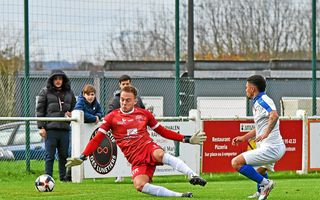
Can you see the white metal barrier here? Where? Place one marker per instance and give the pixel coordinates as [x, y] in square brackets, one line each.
[53, 119]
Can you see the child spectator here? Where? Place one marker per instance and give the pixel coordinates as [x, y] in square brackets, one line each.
[88, 103]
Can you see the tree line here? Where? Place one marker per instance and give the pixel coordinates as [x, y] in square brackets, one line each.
[223, 30]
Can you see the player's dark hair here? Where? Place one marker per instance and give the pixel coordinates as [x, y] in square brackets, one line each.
[124, 78]
[130, 89]
[258, 81]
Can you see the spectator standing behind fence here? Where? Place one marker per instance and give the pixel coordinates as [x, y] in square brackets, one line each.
[56, 100]
[114, 103]
[88, 103]
[124, 81]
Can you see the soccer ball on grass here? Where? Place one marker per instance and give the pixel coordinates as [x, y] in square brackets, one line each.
[44, 183]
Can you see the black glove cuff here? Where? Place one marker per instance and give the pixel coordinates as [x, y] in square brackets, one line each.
[83, 157]
[186, 139]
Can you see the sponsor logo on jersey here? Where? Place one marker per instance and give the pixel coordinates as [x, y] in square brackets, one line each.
[124, 121]
[139, 118]
[132, 131]
[104, 157]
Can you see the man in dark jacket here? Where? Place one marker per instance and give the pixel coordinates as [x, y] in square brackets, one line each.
[124, 81]
[56, 100]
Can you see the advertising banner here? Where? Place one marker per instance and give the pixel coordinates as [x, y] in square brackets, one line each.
[218, 150]
[291, 131]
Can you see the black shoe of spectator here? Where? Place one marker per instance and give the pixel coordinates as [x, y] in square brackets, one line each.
[66, 179]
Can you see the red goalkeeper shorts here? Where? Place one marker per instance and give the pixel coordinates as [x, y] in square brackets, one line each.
[145, 163]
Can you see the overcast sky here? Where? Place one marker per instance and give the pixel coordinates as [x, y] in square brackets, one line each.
[73, 29]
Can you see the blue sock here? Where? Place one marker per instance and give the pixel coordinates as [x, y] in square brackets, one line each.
[258, 185]
[251, 173]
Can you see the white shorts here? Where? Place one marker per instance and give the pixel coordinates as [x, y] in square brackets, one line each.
[264, 156]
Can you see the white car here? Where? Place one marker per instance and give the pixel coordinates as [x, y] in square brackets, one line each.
[13, 138]
[6, 154]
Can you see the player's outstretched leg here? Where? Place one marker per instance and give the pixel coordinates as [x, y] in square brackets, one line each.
[180, 166]
[160, 191]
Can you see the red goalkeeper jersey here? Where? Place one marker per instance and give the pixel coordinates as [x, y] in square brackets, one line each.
[130, 132]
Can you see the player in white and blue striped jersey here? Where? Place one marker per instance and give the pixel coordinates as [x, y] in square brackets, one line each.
[270, 146]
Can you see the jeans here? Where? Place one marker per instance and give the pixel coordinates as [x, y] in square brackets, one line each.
[57, 139]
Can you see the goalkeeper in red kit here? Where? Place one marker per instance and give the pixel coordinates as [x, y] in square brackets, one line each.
[129, 128]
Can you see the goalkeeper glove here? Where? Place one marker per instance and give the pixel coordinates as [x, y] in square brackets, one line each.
[75, 161]
[198, 138]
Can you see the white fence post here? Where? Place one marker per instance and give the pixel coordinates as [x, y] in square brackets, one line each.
[77, 172]
[303, 115]
[195, 115]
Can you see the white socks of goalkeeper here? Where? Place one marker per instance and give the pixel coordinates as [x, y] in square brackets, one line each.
[178, 165]
[159, 191]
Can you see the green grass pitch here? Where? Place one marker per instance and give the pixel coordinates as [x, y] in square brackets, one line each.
[289, 185]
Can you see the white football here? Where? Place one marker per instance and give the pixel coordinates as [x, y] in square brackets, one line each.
[44, 183]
